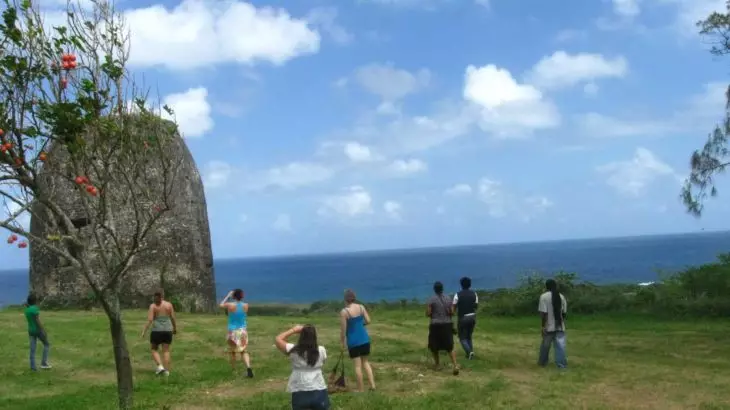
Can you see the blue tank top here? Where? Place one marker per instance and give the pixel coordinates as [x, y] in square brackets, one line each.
[237, 318]
[356, 333]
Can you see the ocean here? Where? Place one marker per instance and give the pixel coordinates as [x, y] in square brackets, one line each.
[398, 274]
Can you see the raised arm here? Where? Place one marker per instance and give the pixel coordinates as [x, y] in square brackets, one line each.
[281, 338]
[224, 302]
[150, 318]
[343, 328]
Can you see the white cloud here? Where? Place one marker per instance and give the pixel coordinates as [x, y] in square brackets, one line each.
[500, 202]
[507, 108]
[355, 201]
[407, 167]
[390, 83]
[701, 111]
[459, 190]
[282, 223]
[689, 12]
[562, 70]
[491, 193]
[388, 108]
[341, 82]
[626, 8]
[393, 210]
[569, 34]
[357, 152]
[631, 177]
[414, 4]
[325, 18]
[594, 125]
[591, 89]
[292, 175]
[191, 111]
[200, 33]
[491, 100]
[216, 174]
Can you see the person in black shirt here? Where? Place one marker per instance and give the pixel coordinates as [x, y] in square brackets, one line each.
[465, 303]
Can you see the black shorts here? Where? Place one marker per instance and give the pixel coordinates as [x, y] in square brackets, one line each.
[359, 351]
[440, 337]
[160, 338]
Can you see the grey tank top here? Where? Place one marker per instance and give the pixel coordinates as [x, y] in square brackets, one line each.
[162, 324]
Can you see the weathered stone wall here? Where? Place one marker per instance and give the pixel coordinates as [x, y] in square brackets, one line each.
[177, 254]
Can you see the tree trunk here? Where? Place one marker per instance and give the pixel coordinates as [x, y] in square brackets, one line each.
[125, 381]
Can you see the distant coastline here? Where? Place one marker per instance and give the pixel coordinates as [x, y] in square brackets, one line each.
[381, 251]
[407, 274]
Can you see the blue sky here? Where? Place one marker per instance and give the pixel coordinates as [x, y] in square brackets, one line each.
[322, 125]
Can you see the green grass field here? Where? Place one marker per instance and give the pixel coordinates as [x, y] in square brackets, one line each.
[615, 363]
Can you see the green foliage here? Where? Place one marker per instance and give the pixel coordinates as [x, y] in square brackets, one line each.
[714, 157]
[701, 291]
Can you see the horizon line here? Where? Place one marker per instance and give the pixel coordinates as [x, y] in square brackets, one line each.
[437, 247]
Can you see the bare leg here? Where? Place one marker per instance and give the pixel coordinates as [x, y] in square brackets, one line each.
[453, 362]
[166, 356]
[358, 373]
[435, 360]
[246, 359]
[369, 372]
[156, 356]
[232, 347]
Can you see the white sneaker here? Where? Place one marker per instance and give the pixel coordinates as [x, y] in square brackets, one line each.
[46, 366]
[160, 370]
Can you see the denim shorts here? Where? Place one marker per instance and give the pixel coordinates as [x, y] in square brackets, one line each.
[310, 400]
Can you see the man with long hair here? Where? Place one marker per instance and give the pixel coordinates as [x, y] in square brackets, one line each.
[161, 316]
[237, 339]
[553, 309]
[306, 383]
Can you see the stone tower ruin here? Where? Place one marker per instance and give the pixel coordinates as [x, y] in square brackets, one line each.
[177, 258]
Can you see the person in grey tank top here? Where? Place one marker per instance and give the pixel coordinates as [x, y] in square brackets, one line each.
[161, 317]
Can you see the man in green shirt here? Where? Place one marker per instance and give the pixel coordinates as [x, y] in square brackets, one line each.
[36, 332]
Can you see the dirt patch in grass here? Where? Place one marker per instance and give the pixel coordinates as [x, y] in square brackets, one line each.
[241, 388]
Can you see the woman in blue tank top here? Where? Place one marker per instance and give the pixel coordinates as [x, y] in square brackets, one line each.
[354, 335]
[237, 339]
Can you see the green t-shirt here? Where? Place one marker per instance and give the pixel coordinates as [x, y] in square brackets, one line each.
[31, 312]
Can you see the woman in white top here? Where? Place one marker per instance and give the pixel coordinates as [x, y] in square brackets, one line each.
[306, 384]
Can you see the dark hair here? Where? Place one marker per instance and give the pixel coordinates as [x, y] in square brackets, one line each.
[31, 300]
[350, 296]
[438, 287]
[552, 286]
[238, 294]
[307, 347]
[465, 282]
[158, 294]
